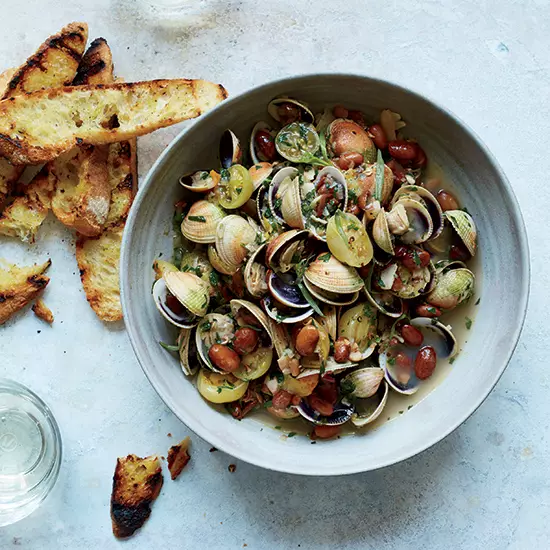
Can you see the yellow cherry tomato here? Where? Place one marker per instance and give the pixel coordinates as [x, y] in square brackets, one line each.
[235, 187]
[255, 364]
[220, 388]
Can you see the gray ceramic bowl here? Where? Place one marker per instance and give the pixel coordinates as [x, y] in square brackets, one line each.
[480, 183]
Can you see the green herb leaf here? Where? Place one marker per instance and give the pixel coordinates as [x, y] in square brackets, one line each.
[325, 257]
[280, 377]
[379, 177]
[452, 360]
[310, 299]
[200, 219]
[347, 387]
[214, 278]
[267, 404]
[477, 302]
[291, 434]
[169, 347]
[338, 223]
[257, 329]
[468, 323]
[277, 427]
[207, 325]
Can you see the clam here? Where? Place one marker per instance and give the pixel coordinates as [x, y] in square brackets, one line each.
[268, 221]
[423, 196]
[220, 265]
[259, 173]
[342, 413]
[284, 288]
[420, 226]
[230, 149]
[246, 307]
[359, 325]
[291, 206]
[331, 298]
[299, 142]
[381, 233]
[453, 287]
[368, 410]
[197, 262]
[201, 181]
[286, 250]
[317, 361]
[255, 273]
[256, 154]
[235, 238]
[201, 222]
[386, 302]
[286, 110]
[181, 298]
[278, 187]
[346, 136]
[465, 227]
[188, 352]
[436, 335]
[214, 328]
[364, 382]
[283, 314]
[329, 320]
[412, 283]
[327, 273]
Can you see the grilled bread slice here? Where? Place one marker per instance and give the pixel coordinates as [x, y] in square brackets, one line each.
[82, 189]
[19, 286]
[54, 64]
[97, 115]
[98, 260]
[25, 214]
[178, 457]
[136, 484]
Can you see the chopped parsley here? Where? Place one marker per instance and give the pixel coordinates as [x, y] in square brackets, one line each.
[477, 301]
[169, 347]
[347, 386]
[214, 278]
[325, 257]
[291, 434]
[207, 325]
[267, 404]
[416, 258]
[468, 323]
[452, 360]
[200, 219]
[280, 377]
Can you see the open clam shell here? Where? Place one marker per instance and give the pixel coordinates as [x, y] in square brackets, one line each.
[188, 352]
[285, 251]
[214, 328]
[277, 189]
[331, 298]
[283, 314]
[381, 233]
[255, 154]
[190, 290]
[230, 149]
[420, 222]
[342, 413]
[453, 287]
[327, 273]
[465, 227]
[363, 382]
[368, 410]
[413, 283]
[423, 196]
[284, 289]
[201, 222]
[235, 238]
[255, 273]
[329, 320]
[291, 206]
[359, 325]
[274, 110]
[201, 181]
[259, 173]
[183, 319]
[218, 264]
[436, 335]
[387, 303]
[236, 305]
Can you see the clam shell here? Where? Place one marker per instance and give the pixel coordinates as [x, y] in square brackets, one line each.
[381, 301]
[195, 229]
[420, 221]
[291, 207]
[330, 298]
[342, 413]
[280, 250]
[307, 115]
[290, 316]
[365, 380]
[327, 273]
[381, 233]
[259, 173]
[261, 125]
[284, 289]
[223, 336]
[408, 388]
[452, 288]
[187, 352]
[329, 321]
[277, 188]
[368, 410]
[234, 236]
[236, 304]
[190, 290]
[218, 264]
[201, 181]
[255, 272]
[430, 202]
[279, 336]
[230, 149]
[465, 227]
[185, 320]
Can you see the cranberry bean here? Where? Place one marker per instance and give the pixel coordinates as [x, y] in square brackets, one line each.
[266, 145]
[425, 362]
[327, 389]
[281, 400]
[378, 136]
[173, 304]
[421, 159]
[306, 340]
[412, 258]
[325, 432]
[346, 161]
[411, 335]
[446, 201]
[357, 116]
[398, 171]
[288, 112]
[246, 340]
[459, 252]
[322, 407]
[342, 348]
[224, 358]
[401, 149]
[426, 310]
[340, 112]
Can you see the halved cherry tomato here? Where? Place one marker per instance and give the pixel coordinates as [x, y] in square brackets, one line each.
[235, 187]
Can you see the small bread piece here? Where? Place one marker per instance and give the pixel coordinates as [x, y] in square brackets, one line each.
[97, 115]
[25, 214]
[82, 190]
[53, 65]
[42, 311]
[19, 286]
[136, 484]
[98, 260]
[96, 65]
[5, 79]
[178, 457]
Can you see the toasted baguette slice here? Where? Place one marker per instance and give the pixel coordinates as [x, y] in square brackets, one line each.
[42, 311]
[19, 286]
[96, 66]
[178, 457]
[98, 260]
[82, 191]
[97, 115]
[53, 65]
[25, 214]
[136, 484]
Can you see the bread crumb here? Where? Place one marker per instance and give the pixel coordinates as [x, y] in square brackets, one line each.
[178, 457]
[42, 311]
[232, 468]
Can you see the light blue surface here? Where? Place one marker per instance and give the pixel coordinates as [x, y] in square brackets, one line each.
[486, 485]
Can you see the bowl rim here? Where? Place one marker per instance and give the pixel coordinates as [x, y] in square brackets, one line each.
[524, 263]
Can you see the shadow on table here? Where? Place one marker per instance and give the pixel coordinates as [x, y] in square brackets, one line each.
[372, 508]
